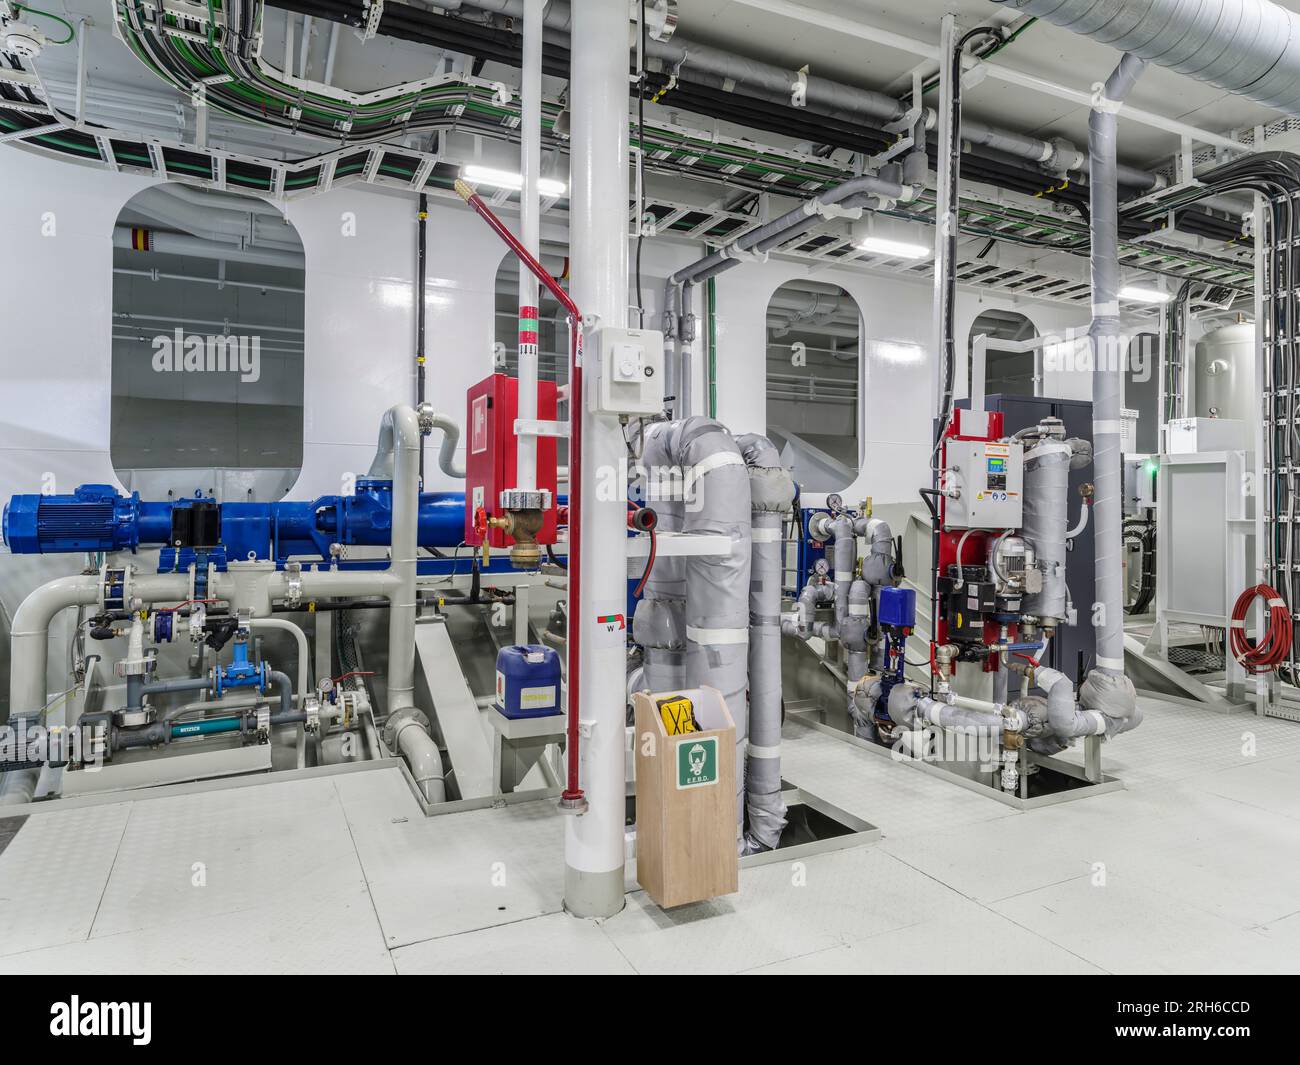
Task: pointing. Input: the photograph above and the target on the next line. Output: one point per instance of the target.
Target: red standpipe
(572, 790)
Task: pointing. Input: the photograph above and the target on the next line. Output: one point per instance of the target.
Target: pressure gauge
(821, 567)
(835, 502)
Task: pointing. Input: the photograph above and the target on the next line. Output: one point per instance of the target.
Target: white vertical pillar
(530, 155)
(599, 195)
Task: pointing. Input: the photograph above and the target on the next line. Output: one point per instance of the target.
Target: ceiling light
(504, 179)
(1138, 294)
(893, 249)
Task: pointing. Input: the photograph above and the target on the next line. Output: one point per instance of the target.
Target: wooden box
(686, 829)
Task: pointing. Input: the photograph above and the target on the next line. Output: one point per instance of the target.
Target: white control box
(627, 367)
(991, 479)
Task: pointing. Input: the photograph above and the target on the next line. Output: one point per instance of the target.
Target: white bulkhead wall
(56, 280)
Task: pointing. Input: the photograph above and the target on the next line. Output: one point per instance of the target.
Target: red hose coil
(1274, 646)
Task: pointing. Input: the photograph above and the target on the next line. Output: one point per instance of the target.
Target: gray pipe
(878, 567)
(716, 502)
(428, 420)
(1106, 689)
(660, 620)
(1107, 379)
(771, 495)
(1065, 721)
(1249, 47)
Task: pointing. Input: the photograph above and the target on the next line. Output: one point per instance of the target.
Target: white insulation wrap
(660, 621)
(698, 459)
(771, 496)
(1047, 486)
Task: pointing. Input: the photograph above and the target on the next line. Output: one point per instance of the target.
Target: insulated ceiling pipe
(1249, 47)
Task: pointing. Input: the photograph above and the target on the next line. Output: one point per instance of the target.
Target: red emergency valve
(480, 522)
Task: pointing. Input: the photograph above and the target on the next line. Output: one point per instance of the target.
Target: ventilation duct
(1249, 47)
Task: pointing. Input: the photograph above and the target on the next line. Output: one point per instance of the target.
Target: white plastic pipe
(593, 842)
(304, 655)
(530, 159)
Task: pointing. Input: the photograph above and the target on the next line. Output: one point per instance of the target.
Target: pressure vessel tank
(1225, 373)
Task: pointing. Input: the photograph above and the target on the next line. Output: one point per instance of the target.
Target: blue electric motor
(897, 607)
(528, 681)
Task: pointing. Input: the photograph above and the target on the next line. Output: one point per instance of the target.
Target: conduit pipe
(1106, 688)
(772, 493)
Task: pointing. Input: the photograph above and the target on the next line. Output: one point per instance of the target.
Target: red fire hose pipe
(572, 795)
(1274, 644)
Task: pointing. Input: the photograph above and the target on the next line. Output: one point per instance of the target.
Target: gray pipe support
(1249, 47)
(772, 494)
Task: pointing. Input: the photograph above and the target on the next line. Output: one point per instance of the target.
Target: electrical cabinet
(990, 477)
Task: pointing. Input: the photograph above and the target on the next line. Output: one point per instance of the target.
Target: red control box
(490, 458)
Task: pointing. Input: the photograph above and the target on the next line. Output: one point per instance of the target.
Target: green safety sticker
(697, 762)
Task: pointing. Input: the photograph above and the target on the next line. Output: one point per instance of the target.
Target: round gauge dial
(821, 567)
(835, 502)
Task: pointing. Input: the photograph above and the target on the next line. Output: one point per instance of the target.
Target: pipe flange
(399, 722)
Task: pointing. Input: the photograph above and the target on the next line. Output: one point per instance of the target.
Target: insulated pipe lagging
(660, 622)
(1107, 378)
(1249, 47)
(717, 493)
(1046, 494)
(1065, 720)
(772, 493)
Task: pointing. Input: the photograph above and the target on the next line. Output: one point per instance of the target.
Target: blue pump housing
(528, 681)
(96, 518)
(93, 518)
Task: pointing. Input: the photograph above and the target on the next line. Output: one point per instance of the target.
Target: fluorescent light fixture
(894, 249)
(1138, 294)
(504, 179)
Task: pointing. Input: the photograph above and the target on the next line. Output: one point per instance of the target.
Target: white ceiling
(1043, 50)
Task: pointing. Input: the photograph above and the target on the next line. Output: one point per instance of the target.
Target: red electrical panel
(965, 425)
(490, 457)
